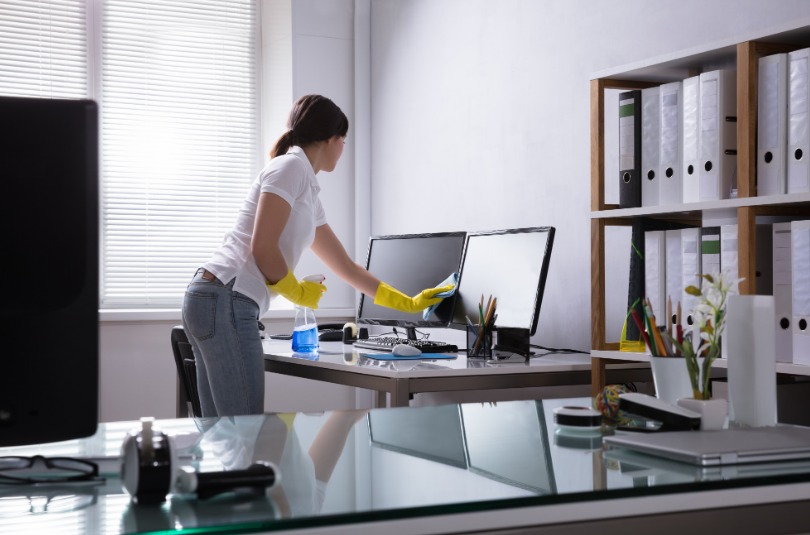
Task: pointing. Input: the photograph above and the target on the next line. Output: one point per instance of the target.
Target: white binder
(650, 145)
(718, 134)
(655, 272)
(671, 154)
(691, 147)
(800, 272)
(729, 251)
(690, 272)
(772, 125)
(782, 292)
(674, 269)
(798, 151)
(710, 259)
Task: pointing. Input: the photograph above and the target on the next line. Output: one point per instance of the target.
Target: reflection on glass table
(398, 464)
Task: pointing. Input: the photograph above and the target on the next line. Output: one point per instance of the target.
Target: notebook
(725, 447)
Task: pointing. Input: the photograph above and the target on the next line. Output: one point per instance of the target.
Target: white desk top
(338, 356)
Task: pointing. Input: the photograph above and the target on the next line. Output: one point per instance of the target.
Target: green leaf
(693, 290)
(709, 278)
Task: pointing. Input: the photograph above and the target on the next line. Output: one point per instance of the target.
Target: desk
(344, 364)
(497, 468)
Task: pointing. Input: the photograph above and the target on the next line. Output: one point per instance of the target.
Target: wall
(481, 120)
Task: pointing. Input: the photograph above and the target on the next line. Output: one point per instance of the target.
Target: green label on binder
(627, 110)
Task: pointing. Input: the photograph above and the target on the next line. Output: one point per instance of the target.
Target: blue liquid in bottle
(305, 340)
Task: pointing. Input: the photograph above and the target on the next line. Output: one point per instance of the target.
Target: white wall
(480, 119)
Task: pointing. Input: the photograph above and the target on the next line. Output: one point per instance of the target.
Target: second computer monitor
(510, 265)
(411, 263)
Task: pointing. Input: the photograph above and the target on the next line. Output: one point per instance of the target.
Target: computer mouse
(405, 350)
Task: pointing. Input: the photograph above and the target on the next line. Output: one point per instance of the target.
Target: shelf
(781, 367)
(684, 63)
(789, 200)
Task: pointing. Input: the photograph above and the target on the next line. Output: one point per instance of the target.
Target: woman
(281, 216)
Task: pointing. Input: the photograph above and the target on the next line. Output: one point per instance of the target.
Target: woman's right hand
(304, 293)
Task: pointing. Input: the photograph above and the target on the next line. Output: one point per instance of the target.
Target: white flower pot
(713, 412)
(671, 378)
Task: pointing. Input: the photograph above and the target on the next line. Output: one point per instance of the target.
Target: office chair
(188, 399)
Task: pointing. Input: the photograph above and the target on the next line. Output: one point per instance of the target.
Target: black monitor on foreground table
(49, 311)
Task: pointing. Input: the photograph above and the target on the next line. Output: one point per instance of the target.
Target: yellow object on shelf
(630, 346)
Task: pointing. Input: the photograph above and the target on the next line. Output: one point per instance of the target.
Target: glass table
(491, 467)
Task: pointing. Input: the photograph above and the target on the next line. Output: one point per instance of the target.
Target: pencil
(669, 316)
(641, 329)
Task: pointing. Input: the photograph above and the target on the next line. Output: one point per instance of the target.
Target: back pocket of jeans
(199, 314)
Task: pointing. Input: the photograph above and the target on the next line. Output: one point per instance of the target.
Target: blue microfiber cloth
(452, 279)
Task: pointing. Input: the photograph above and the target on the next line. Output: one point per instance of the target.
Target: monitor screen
(410, 263)
(49, 310)
(510, 265)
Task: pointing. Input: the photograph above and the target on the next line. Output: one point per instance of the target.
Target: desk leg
(381, 399)
(400, 395)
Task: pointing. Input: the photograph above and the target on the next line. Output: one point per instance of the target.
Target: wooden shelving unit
(744, 57)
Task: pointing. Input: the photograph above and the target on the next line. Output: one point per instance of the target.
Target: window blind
(43, 48)
(179, 140)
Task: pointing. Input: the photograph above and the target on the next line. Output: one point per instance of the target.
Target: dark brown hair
(313, 118)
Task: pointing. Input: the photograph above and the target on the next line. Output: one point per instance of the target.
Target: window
(178, 94)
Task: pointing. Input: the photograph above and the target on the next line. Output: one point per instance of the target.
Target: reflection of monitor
(510, 265)
(49, 217)
(410, 263)
(432, 433)
(509, 443)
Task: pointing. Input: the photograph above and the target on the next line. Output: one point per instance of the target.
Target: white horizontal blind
(179, 140)
(43, 48)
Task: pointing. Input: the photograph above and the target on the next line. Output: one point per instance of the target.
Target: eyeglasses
(51, 499)
(16, 470)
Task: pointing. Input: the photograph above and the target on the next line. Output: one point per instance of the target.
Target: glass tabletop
(345, 467)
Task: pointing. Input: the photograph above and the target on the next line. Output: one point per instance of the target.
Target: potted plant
(709, 315)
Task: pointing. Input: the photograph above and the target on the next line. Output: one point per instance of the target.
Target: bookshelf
(744, 57)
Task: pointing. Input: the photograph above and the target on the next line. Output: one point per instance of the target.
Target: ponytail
(283, 144)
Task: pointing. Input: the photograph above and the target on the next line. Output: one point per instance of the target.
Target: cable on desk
(558, 350)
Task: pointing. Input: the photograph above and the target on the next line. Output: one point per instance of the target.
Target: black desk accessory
(150, 471)
(672, 417)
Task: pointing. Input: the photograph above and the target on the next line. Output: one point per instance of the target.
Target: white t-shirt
(291, 177)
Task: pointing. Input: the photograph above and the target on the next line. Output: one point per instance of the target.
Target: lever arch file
(710, 250)
(690, 254)
(671, 145)
(798, 151)
(772, 125)
(650, 146)
(729, 251)
(800, 274)
(782, 292)
(674, 263)
(718, 134)
(655, 272)
(691, 147)
(630, 149)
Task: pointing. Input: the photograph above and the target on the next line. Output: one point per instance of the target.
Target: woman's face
(334, 149)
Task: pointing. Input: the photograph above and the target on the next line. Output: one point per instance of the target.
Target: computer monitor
(49, 268)
(510, 265)
(410, 263)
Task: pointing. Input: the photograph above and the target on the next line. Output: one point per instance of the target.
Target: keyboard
(387, 343)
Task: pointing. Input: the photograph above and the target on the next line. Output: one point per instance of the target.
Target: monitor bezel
(541, 283)
(400, 322)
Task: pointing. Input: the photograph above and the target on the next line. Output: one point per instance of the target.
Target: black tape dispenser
(150, 470)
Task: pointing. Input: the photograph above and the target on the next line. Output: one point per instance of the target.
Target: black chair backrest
(186, 372)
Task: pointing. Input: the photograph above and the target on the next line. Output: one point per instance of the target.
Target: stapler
(672, 417)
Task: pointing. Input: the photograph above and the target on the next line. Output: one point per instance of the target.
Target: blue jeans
(222, 327)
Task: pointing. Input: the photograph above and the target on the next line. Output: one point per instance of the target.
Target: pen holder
(479, 342)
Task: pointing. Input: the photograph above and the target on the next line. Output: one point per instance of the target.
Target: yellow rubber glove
(389, 297)
(304, 293)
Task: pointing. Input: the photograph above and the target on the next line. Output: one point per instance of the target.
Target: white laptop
(725, 447)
